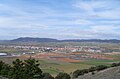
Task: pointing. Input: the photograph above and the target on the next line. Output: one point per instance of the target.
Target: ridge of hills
(31, 39)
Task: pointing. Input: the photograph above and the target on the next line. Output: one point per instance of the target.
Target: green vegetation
(47, 76)
(51, 71)
(63, 76)
(94, 62)
(93, 69)
(31, 69)
(27, 69)
(115, 64)
(54, 67)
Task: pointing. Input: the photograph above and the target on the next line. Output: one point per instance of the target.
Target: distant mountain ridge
(94, 40)
(30, 39)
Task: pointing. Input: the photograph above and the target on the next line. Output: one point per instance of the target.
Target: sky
(60, 19)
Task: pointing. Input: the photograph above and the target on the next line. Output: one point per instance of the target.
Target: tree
(47, 76)
(1, 65)
(31, 69)
(63, 76)
(17, 69)
(4, 69)
(27, 69)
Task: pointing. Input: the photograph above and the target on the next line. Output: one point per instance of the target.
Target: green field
(54, 67)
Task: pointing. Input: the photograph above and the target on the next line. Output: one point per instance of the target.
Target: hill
(110, 73)
(93, 40)
(31, 39)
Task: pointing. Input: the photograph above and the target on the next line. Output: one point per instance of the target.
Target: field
(55, 66)
(54, 62)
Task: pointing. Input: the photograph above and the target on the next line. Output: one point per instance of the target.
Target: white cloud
(102, 28)
(83, 22)
(99, 8)
(88, 19)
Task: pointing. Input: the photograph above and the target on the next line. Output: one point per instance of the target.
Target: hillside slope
(111, 73)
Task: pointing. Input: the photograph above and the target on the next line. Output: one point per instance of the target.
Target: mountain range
(31, 39)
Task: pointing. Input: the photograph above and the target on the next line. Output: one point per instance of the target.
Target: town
(66, 53)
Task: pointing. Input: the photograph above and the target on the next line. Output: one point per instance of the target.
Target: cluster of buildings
(65, 49)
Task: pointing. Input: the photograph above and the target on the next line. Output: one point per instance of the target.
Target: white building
(3, 54)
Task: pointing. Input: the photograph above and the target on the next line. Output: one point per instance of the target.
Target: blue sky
(60, 19)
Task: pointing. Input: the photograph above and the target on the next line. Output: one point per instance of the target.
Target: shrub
(47, 76)
(91, 69)
(115, 64)
(101, 67)
(79, 72)
(63, 76)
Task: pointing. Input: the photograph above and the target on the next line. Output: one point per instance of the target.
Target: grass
(54, 67)
(97, 62)
(51, 71)
(50, 66)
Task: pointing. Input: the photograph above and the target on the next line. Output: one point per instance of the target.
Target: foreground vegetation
(30, 69)
(27, 69)
(94, 69)
(54, 67)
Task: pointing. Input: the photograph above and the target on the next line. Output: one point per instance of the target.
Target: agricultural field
(55, 66)
(54, 62)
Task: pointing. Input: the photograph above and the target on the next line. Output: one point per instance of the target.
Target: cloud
(74, 19)
(103, 28)
(83, 22)
(100, 8)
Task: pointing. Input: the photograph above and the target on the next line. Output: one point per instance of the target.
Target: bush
(115, 64)
(76, 73)
(85, 71)
(47, 76)
(92, 69)
(63, 76)
(101, 67)
(79, 72)
(93, 72)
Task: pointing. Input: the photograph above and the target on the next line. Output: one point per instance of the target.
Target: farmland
(55, 66)
(63, 57)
